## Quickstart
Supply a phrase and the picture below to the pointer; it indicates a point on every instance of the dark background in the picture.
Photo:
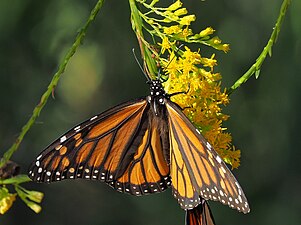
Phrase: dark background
(265, 113)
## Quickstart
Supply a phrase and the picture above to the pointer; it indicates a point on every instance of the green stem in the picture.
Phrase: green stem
(149, 63)
(255, 68)
(16, 180)
(36, 112)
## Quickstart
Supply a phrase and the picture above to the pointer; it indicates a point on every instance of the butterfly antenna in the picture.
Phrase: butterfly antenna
(148, 79)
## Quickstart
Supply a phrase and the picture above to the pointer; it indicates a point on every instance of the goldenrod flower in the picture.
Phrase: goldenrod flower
(203, 102)
(181, 12)
(186, 20)
(35, 196)
(206, 32)
(166, 45)
(186, 32)
(6, 200)
(209, 62)
(191, 72)
(175, 5)
(225, 47)
(175, 29)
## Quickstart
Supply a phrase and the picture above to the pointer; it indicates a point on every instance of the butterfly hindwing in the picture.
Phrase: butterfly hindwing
(118, 147)
(200, 215)
(148, 171)
(197, 163)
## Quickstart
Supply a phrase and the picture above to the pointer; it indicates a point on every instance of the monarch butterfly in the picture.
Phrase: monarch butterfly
(142, 147)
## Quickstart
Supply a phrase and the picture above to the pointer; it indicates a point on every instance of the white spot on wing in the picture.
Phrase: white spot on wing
(239, 191)
(94, 117)
(208, 145)
(38, 158)
(77, 128)
(62, 139)
(38, 163)
(218, 159)
(223, 169)
(239, 198)
(237, 184)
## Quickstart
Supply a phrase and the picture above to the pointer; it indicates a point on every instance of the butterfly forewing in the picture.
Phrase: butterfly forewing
(118, 147)
(199, 164)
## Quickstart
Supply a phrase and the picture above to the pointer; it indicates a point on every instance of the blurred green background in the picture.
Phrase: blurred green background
(265, 113)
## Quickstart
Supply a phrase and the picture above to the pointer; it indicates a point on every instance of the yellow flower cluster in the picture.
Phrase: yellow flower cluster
(6, 200)
(202, 104)
(190, 71)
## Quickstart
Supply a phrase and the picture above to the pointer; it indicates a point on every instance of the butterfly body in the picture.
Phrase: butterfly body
(142, 147)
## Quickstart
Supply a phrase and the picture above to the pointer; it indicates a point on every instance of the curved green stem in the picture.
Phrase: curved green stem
(255, 68)
(136, 20)
(36, 112)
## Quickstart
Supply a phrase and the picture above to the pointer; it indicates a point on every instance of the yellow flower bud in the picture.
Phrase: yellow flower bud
(175, 5)
(35, 196)
(7, 202)
(35, 207)
(186, 20)
(206, 32)
(181, 12)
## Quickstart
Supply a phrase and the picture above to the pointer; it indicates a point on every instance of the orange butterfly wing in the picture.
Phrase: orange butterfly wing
(119, 147)
(200, 215)
(196, 169)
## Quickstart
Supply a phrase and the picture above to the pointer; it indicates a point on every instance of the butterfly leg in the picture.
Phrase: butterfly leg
(180, 92)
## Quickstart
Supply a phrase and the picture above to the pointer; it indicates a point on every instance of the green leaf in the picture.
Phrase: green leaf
(270, 52)
(257, 72)
(16, 180)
